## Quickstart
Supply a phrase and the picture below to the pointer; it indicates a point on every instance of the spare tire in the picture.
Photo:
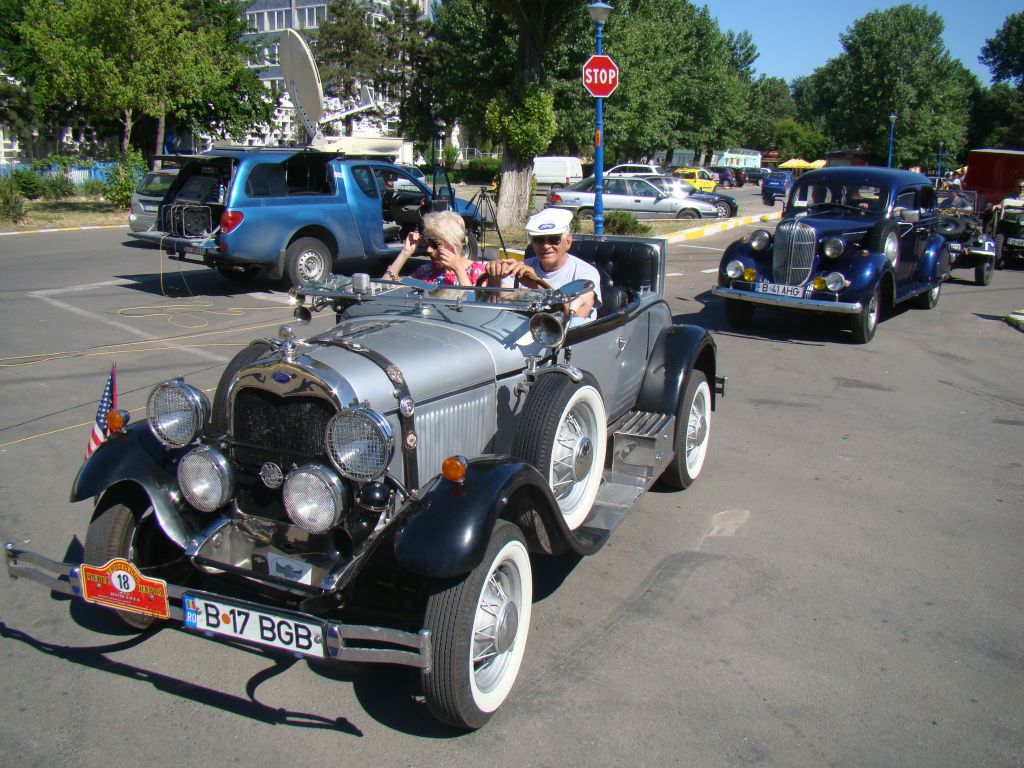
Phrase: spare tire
(885, 237)
(951, 227)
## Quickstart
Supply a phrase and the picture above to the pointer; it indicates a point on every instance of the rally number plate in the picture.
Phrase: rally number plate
(271, 629)
(796, 291)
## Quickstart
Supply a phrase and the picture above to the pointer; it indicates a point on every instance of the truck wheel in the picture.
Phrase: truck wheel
(130, 532)
(479, 625)
(219, 410)
(563, 432)
(693, 431)
(983, 272)
(739, 314)
(866, 322)
(307, 260)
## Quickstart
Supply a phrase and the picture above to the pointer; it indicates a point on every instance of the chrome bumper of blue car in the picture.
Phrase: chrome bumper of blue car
(790, 302)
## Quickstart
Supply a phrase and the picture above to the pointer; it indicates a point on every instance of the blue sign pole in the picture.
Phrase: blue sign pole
(599, 13)
(892, 133)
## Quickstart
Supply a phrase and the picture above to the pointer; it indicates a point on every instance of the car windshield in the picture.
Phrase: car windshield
(361, 288)
(955, 200)
(155, 184)
(823, 192)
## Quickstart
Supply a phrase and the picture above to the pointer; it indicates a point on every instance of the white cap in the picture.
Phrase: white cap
(550, 221)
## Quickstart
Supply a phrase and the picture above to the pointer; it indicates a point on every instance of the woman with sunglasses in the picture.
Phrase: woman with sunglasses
(445, 235)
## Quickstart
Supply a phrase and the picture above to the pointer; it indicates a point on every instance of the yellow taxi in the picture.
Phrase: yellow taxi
(699, 177)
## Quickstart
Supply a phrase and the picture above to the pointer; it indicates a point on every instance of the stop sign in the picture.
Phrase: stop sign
(600, 75)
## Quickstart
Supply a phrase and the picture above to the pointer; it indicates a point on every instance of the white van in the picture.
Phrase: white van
(557, 171)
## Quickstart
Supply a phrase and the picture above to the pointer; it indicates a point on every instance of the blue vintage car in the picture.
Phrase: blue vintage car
(852, 241)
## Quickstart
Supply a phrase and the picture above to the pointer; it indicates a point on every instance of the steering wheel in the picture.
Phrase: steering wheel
(541, 283)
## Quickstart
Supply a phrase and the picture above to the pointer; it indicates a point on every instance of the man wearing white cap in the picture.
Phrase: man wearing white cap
(550, 237)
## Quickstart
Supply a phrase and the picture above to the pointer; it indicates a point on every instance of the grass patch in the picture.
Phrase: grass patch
(69, 212)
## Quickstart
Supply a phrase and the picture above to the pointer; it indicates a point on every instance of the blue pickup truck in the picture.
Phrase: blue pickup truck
(296, 212)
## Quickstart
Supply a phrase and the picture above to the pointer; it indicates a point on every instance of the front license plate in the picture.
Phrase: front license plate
(1015, 241)
(273, 630)
(795, 291)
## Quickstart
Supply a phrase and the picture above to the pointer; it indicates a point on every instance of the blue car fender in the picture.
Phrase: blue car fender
(934, 263)
(135, 456)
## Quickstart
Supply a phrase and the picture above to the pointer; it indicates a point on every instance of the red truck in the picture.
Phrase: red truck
(992, 172)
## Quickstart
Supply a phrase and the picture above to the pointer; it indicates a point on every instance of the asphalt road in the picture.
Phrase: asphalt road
(841, 587)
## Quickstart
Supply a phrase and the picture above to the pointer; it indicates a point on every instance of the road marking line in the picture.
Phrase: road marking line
(709, 271)
(79, 288)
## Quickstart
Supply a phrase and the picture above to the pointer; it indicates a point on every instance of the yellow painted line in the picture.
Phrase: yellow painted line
(722, 226)
(62, 229)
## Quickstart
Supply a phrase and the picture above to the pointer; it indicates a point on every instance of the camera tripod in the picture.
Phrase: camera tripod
(488, 213)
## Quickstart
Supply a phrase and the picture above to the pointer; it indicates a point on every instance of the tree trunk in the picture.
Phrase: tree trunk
(126, 137)
(514, 199)
(161, 128)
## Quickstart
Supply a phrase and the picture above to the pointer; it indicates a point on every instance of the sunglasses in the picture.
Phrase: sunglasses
(548, 239)
(435, 244)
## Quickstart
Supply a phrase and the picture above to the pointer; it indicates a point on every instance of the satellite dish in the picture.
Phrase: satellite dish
(302, 79)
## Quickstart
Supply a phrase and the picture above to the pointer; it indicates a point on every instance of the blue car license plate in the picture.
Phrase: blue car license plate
(795, 291)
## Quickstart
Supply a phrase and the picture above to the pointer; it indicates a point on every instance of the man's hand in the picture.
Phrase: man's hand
(499, 269)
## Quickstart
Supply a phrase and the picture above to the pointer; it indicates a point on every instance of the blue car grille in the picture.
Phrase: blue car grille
(793, 254)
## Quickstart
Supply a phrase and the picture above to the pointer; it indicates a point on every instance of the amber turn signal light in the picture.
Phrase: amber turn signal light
(117, 420)
(454, 468)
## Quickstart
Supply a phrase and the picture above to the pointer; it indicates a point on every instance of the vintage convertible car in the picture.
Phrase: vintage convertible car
(373, 493)
(852, 241)
(961, 222)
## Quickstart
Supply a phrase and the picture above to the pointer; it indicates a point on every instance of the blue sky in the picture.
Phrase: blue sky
(795, 38)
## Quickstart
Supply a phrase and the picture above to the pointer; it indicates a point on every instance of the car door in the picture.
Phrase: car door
(913, 235)
(616, 196)
(648, 200)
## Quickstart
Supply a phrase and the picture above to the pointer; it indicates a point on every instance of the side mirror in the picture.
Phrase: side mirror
(911, 215)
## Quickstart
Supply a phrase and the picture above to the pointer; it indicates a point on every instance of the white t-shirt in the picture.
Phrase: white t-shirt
(573, 269)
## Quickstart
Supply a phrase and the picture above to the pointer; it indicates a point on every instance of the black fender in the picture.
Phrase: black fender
(449, 525)
(135, 456)
(678, 350)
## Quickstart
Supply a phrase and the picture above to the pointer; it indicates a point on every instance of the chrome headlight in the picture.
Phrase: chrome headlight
(314, 498)
(176, 413)
(360, 443)
(833, 247)
(760, 239)
(836, 281)
(734, 269)
(206, 479)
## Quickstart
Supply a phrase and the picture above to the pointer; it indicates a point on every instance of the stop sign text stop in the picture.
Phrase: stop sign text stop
(600, 75)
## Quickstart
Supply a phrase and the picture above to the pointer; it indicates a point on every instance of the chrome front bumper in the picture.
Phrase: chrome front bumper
(342, 642)
(790, 302)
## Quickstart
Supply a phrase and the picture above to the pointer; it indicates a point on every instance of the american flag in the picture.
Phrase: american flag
(107, 402)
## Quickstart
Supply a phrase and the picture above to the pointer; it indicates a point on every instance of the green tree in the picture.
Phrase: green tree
(1004, 52)
(350, 50)
(742, 52)
(797, 140)
(894, 61)
(402, 77)
(769, 101)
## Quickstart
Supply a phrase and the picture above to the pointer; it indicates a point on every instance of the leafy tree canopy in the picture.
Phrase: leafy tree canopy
(1004, 52)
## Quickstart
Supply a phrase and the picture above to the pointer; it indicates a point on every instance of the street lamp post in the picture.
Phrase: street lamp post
(892, 133)
(939, 171)
(599, 13)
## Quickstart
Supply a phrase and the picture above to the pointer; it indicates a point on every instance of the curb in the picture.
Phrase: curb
(1016, 319)
(722, 226)
(61, 229)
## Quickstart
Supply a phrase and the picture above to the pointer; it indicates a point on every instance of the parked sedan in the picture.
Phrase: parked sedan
(726, 206)
(634, 169)
(756, 175)
(635, 195)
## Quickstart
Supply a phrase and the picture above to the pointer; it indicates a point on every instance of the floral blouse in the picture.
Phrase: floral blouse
(431, 274)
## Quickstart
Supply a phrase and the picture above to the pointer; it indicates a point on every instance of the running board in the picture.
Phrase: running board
(641, 450)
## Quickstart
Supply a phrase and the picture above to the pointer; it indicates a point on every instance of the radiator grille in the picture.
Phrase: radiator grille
(793, 254)
(284, 430)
